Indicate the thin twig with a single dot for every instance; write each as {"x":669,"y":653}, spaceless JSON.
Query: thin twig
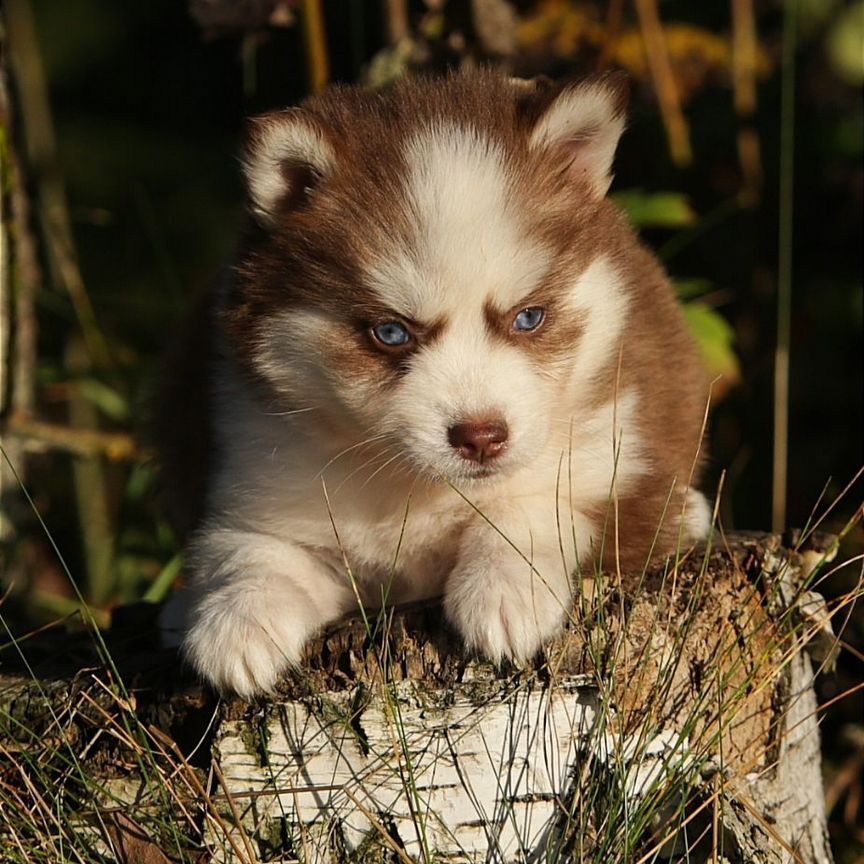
{"x":660,"y":65}
{"x":38,"y":436}
{"x":396,"y":14}
{"x":744,"y":47}
{"x":20,"y":279}
{"x":315,"y":41}
{"x":41,"y":151}
{"x":95,"y":515}
{"x":614,"y":16}
{"x":784,"y":270}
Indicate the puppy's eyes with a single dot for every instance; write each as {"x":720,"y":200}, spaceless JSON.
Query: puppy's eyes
{"x":391,"y":335}
{"x":528,"y":319}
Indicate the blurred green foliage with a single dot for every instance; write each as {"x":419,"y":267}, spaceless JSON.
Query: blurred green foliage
{"x":655,"y":209}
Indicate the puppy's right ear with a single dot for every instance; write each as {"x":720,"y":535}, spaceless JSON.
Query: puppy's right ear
{"x":287,"y":155}
{"x":581,"y":123}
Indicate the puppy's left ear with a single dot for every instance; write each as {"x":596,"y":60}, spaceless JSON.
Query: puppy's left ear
{"x":582,"y":124}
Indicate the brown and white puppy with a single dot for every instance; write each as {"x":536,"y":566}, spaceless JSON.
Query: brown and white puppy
{"x":441,"y":354}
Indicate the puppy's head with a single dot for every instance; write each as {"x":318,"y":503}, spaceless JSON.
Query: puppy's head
{"x":425,"y":259}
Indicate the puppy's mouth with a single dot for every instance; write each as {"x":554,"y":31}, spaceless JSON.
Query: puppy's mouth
{"x":481,"y":472}
{"x":478,"y":453}
{"x":467,"y":473}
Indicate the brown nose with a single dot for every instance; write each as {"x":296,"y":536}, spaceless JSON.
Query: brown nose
{"x":478,"y":442}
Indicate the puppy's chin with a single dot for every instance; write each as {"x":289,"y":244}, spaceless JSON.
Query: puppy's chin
{"x":470,"y":474}
{"x":480,"y":478}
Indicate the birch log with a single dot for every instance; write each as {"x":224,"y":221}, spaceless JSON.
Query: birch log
{"x":674,"y":720}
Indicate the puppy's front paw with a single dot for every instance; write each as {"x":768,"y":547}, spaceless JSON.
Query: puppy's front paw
{"x":508,"y":611}
{"x":242,"y":642}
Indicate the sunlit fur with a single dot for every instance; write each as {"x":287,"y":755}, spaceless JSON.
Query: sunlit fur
{"x":450,"y":205}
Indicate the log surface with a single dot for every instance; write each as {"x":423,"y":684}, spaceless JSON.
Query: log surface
{"x":674,"y":719}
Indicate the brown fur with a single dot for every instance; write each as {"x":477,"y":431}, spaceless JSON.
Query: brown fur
{"x":313,"y":256}
{"x":327,"y":226}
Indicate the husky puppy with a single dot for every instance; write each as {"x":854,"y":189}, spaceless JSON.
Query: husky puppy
{"x":442,"y":365}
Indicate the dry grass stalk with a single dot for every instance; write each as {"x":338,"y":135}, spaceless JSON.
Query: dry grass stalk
{"x":668,"y":96}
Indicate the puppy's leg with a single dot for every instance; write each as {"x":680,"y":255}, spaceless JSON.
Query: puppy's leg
{"x":506,"y":601}
{"x":254,"y":602}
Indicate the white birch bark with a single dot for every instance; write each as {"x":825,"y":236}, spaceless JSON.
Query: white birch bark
{"x":488,"y":768}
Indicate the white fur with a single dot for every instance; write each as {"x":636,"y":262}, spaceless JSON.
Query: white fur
{"x":510,"y":590}
{"x":584,"y":124}
{"x":290,"y":138}
{"x":469,"y":238}
{"x":412,"y":519}
{"x":600,"y":297}
{"x":595,"y":442}
{"x":697,"y":516}
{"x":262,"y":598}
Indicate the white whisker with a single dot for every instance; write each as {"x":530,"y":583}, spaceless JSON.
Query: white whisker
{"x":289,"y":413}
{"x":342,"y":453}
{"x":381,"y":454}
{"x":369,"y":479}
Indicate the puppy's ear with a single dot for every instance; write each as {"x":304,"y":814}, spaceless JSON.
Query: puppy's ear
{"x":582,"y":123}
{"x":287,"y":156}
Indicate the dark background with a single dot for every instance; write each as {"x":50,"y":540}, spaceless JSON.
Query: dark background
{"x":149,"y":116}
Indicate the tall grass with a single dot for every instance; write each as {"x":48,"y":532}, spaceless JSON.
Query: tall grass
{"x":85,"y":776}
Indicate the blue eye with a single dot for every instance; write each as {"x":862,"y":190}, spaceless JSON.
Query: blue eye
{"x":529,"y":319}
{"x":391,"y":334}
